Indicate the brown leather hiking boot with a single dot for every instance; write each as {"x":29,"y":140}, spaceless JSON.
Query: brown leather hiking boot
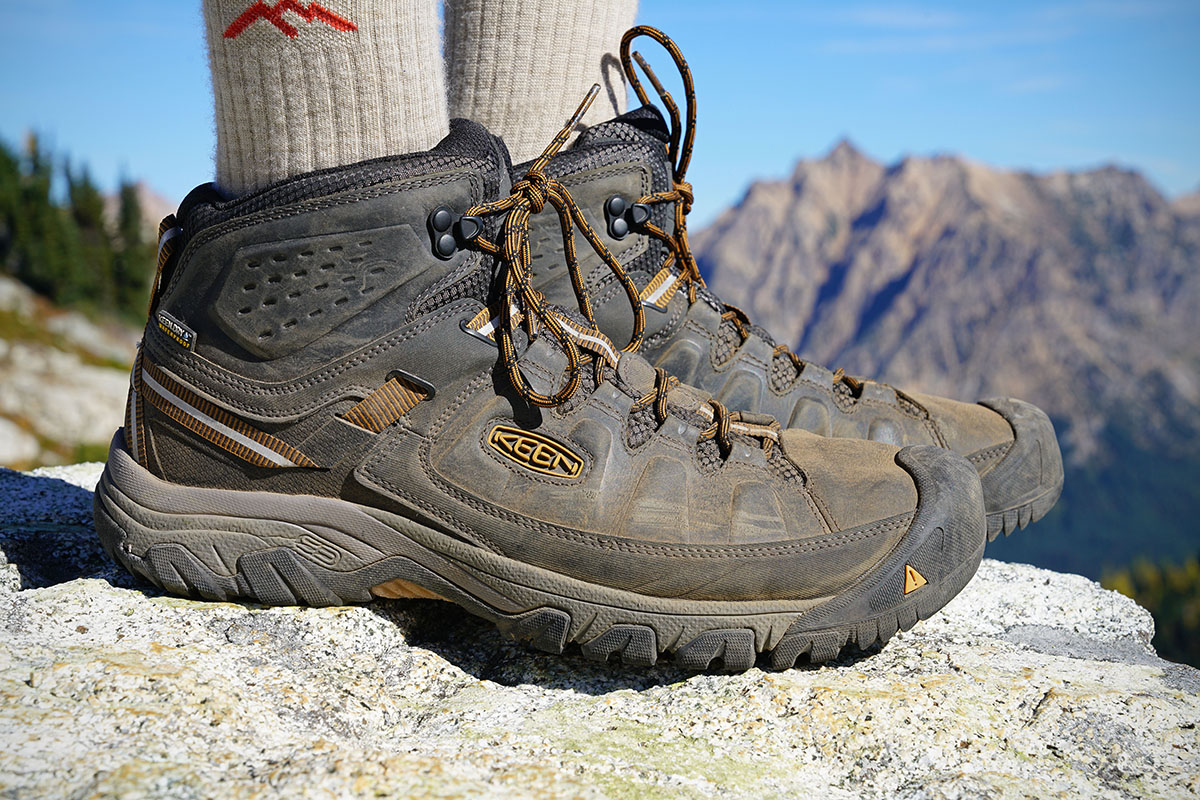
{"x":628,"y":178}
{"x":348,"y":389}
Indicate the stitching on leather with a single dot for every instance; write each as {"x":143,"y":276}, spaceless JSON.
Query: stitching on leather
{"x":371,"y":191}
{"x":197,"y":367}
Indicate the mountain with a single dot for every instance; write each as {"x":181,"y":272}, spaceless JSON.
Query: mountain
{"x":1079,"y":291}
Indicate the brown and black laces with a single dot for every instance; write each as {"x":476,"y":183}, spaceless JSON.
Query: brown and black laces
{"x":519,"y":303}
{"x":679,"y":152}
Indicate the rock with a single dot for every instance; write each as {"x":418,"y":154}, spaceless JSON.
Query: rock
{"x":60,"y":376}
{"x":60,"y":396}
{"x":15,"y":297}
{"x":17,"y":446}
{"x":1030,"y":683}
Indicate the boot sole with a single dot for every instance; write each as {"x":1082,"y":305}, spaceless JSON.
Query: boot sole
{"x":1035,"y":458}
{"x":1013,"y":519}
{"x":275,"y":549}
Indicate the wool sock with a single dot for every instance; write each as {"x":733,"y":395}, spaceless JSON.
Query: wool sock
{"x":520,"y":67}
{"x":303,"y":85}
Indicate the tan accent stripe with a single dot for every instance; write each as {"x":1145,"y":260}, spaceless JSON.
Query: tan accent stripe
{"x":479,"y":320}
{"x":400,"y":588}
{"x":135,"y":415}
{"x":655,"y":284}
{"x":385,"y":405}
{"x":168,"y":233}
{"x":483,"y":322}
{"x":285,"y":451}
{"x":590,"y":339}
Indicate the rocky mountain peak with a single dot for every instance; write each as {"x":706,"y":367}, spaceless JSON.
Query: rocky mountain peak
{"x":1076,"y":290}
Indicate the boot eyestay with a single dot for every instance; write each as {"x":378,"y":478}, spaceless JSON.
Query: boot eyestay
{"x":440,"y":221}
{"x":521,"y":304}
{"x":422,"y":384}
{"x":449,"y":233}
{"x":623,"y":216}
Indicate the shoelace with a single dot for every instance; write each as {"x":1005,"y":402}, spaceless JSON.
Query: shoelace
{"x":723,"y":423}
{"x":679,"y":152}
{"x":520,"y":302}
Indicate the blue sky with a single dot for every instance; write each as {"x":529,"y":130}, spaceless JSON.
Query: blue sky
{"x":123,"y":85}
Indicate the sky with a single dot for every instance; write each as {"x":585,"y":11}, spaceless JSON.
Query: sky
{"x":123,"y":86}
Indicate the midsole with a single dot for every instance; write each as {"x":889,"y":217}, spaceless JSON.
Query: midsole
{"x":347,"y":537}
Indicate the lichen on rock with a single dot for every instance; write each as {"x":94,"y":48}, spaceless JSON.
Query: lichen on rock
{"x":1030,"y":683}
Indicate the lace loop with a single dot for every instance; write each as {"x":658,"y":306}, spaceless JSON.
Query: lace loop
{"x":519,"y":301}
{"x":682,"y":137}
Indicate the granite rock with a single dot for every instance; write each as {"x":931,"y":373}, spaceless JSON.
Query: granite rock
{"x":1029,"y":684}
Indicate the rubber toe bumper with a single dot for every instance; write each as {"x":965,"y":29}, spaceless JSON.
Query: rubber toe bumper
{"x":1024,"y":485}
{"x":935,"y":560}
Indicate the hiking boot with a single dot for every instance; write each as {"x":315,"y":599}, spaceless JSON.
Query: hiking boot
{"x":627,"y":176}
{"x":347,"y":389}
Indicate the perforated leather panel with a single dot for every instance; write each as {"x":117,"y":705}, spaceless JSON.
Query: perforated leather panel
{"x":279,"y":296}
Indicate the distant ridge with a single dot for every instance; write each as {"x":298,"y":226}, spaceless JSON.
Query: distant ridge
{"x":1079,"y":291}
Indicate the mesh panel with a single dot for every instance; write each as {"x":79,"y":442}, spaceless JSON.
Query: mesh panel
{"x":763,"y":334}
{"x":587,"y":385}
{"x":475,"y":284}
{"x":783,"y":468}
{"x":783,"y":372}
{"x":641,"y":427}
{"x":708,"y":456}
{"x":726,"y":343}
{"x":714,"y":302}
{"x":843,"y":395}
{"x":639,"y":124}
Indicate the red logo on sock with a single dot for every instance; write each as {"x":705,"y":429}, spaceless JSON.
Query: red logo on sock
{"x":274,"y":15}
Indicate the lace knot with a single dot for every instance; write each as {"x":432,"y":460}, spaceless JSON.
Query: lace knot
{"x":535,"y":187}
{"x":685,"y":195}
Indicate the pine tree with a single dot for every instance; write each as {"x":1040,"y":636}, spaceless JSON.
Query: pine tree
{"x":93,"y":276}
{"x":133,"y":254}
{"x":71,"y":251}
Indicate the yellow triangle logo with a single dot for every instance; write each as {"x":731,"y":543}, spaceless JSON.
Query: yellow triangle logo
{"x":913,"y":580}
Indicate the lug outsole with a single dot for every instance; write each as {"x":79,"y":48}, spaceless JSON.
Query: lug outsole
{"x":632,"y":636}
{"x":1033,"y":466}
{"x":1011,"y":520}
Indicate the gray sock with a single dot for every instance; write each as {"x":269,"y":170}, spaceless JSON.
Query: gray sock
{"x":306,"y":85}
{"x":520,"y":67}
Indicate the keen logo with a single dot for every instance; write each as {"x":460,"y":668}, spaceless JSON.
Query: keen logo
{"x":535,"y":452}
{"x":176,"y":330}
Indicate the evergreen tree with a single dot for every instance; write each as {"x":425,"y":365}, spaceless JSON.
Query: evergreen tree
{"x":134,"y":253}
{"x":72,"y":252}
{"x":1171,"y":592}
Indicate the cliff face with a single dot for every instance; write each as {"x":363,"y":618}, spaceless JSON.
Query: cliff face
{"x":1079,"y":292}
{"x":1030,"y":683}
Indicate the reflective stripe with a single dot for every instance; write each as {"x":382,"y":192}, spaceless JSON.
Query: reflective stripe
{"x":657,"y":294}
{"x":603,"y":344}
{"x":225,"y":430}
